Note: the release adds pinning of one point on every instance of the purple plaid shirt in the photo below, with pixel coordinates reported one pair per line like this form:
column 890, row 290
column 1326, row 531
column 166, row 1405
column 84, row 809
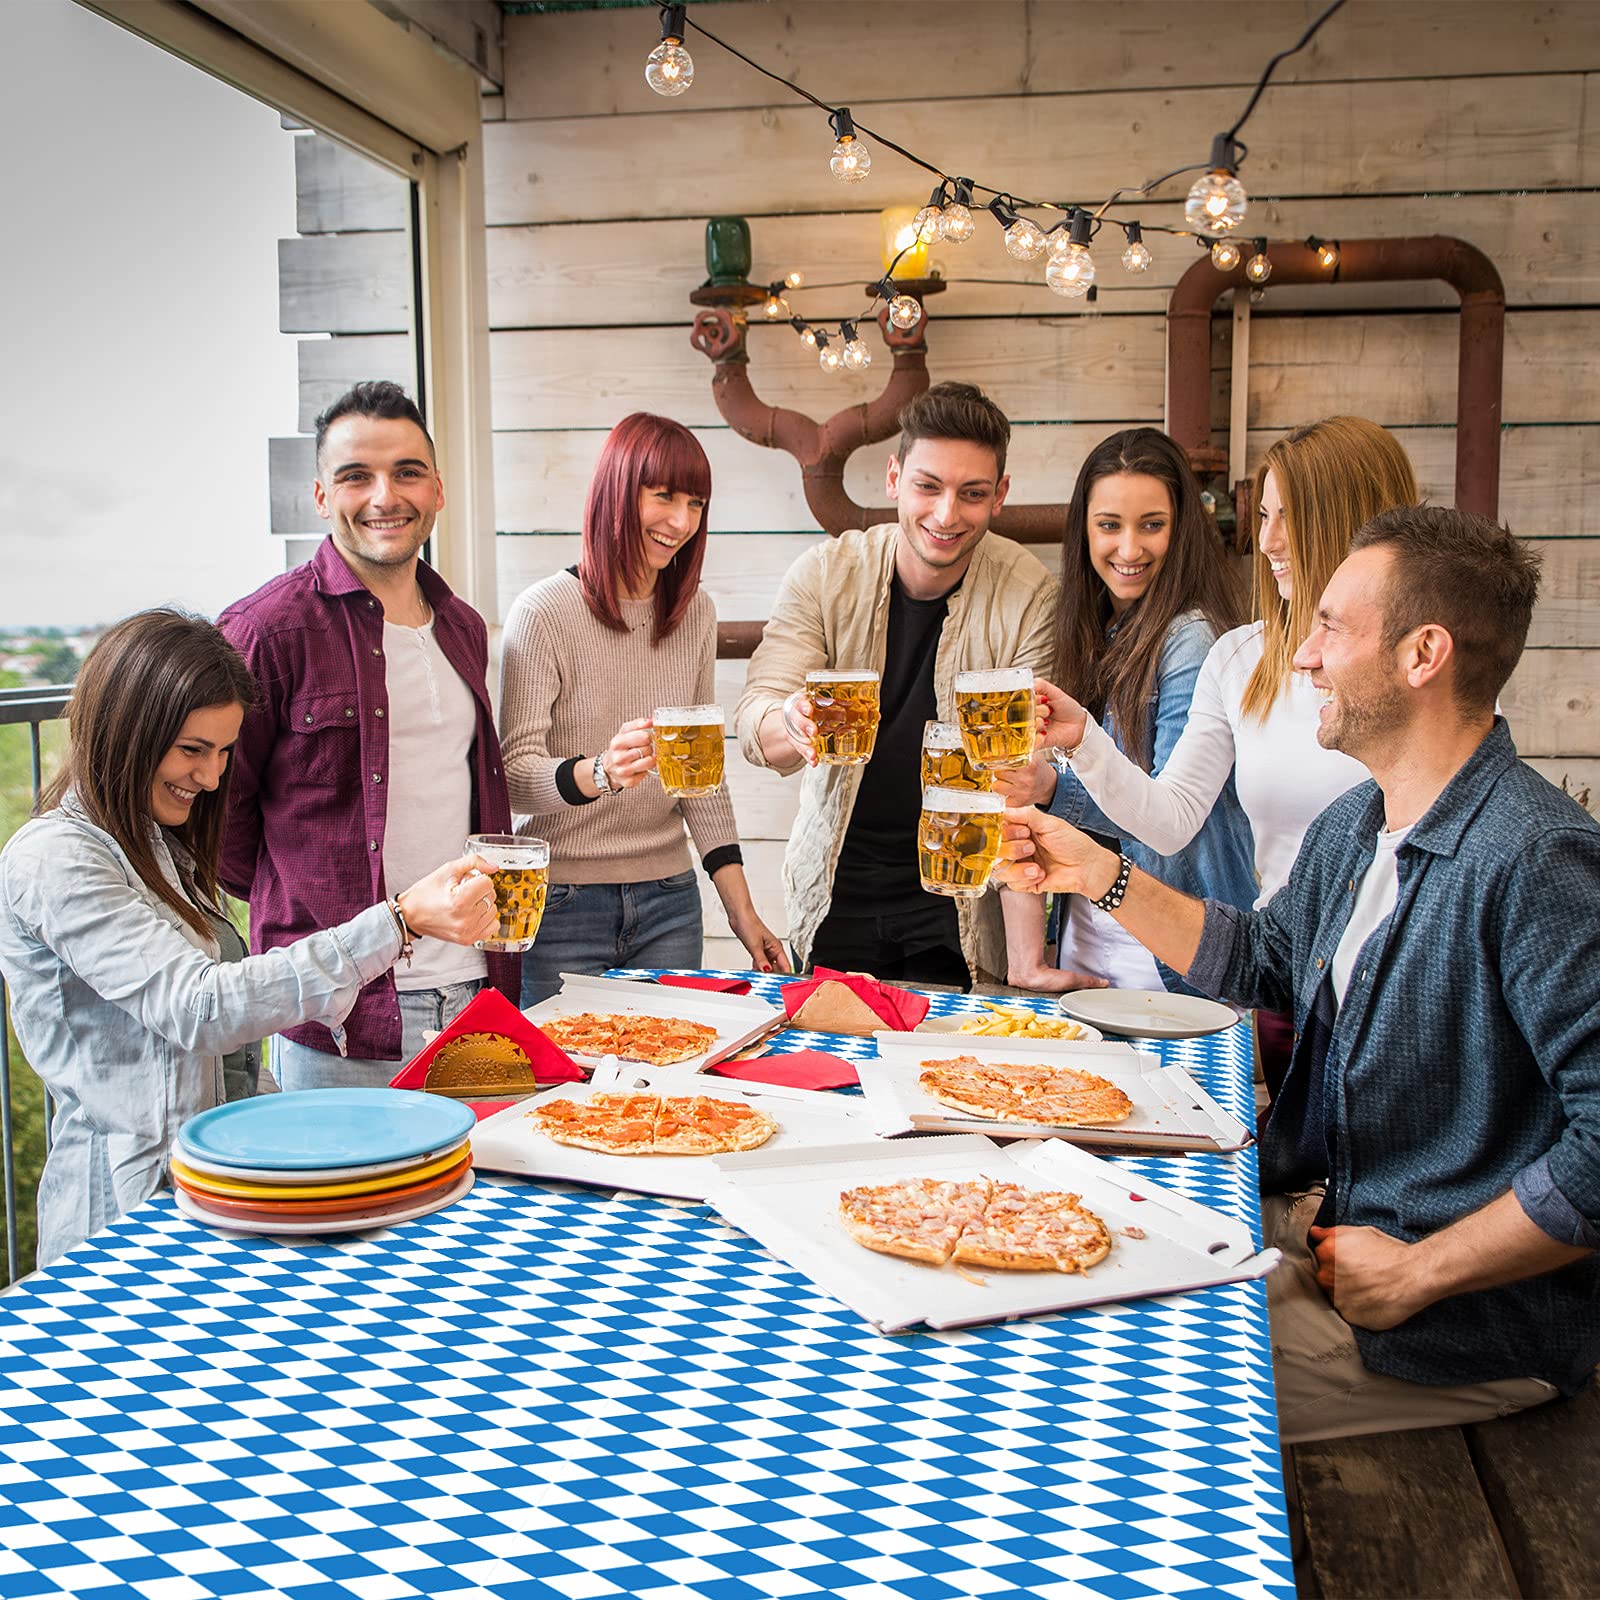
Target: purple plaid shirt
column 308, row 800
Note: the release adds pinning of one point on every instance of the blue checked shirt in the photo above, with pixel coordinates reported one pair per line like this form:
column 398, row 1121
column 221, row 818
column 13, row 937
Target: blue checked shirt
column 1465, row 1060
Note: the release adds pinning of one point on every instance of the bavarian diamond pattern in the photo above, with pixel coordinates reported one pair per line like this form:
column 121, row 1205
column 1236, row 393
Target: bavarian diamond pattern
column 542, row 1392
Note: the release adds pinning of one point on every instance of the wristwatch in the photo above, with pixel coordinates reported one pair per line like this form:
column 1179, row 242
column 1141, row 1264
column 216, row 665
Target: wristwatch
column 602, row 778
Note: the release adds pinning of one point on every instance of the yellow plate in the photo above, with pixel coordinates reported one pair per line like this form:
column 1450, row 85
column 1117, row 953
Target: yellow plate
column 318, row 1191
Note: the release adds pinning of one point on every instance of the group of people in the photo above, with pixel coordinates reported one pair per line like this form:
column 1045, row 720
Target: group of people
column 1316, row 814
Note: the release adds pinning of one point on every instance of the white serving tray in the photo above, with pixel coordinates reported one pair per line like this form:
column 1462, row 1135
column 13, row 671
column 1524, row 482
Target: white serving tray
column 1171, row 1111
column 806, row 1118
column 789, row 1203
column 738, row 1018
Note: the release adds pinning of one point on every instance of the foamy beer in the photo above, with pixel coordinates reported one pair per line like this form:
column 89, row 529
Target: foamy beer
column 958, row 840
column 995, row 714
column 688, row 742
column 521, row 878
column 844, row 706
column 944, row 759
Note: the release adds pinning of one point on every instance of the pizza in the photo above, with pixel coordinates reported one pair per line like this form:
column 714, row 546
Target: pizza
column 1011, row 1091
column 976, row 1222
column 654, row 1125
column 656, row 1041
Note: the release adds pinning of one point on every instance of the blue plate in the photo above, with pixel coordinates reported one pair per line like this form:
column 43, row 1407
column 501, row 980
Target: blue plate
column 326, row 1128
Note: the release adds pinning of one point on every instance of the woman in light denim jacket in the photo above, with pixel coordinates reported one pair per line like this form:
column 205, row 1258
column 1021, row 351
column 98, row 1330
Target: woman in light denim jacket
column 1146, row 590
column 112, row 935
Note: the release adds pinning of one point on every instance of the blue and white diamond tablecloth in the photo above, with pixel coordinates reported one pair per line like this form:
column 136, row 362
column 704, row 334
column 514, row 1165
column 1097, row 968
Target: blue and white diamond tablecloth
column 553, row 1393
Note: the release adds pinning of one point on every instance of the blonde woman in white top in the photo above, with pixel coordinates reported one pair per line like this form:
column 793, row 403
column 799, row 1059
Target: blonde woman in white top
column 1252, row 714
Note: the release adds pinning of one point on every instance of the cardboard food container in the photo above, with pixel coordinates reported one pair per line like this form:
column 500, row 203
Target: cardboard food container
column 788, row 1201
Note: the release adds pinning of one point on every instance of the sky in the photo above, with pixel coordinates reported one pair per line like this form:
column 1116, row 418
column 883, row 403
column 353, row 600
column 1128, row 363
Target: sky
column 142, row 371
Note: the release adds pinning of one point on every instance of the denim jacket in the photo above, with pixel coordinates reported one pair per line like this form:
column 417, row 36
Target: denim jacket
column 126, row 1012
column 1219, row 862
column 1465, row 1059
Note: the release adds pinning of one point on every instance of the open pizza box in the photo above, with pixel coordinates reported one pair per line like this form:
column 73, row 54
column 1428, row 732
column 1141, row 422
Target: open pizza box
column 807, row 1119
column 1171, row 1112
column 739, row 1019
column 1161, row 1243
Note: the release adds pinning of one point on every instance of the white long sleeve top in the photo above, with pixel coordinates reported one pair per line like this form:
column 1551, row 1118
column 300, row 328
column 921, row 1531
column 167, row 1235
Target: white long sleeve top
column 1283, row 777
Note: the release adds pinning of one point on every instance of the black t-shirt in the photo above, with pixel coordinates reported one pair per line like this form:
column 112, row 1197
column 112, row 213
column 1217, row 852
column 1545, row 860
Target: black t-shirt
column 878, row 860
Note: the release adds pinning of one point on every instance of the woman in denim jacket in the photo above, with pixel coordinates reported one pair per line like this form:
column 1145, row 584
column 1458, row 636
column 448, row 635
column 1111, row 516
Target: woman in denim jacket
column 1146, row 590
column 112, row 935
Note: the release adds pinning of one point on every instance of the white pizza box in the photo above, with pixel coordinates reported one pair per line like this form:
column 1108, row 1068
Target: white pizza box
column 739, row 1019
column 789, row 1203
column 1171, row 1112
column 806, row 1118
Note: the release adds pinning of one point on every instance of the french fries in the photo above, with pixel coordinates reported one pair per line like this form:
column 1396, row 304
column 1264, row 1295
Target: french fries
column 1014, row 1022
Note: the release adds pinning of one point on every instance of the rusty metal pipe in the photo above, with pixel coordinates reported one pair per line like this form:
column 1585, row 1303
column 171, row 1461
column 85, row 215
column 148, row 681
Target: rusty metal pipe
column 1483, row 312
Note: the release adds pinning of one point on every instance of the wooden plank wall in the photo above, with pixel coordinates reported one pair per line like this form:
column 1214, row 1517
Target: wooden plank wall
column 1405, row 117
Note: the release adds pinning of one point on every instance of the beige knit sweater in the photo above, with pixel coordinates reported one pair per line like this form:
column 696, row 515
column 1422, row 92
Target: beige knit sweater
column 567, row 683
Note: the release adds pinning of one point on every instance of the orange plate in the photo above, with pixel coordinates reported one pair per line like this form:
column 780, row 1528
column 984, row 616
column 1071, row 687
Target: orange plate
column 265, row 1210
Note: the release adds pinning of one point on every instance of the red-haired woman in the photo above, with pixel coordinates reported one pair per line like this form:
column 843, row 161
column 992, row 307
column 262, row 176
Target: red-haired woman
column 588, row 655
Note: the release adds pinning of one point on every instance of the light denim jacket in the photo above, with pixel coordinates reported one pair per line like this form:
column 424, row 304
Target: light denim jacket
column 1219, row 862
column 126, row 1012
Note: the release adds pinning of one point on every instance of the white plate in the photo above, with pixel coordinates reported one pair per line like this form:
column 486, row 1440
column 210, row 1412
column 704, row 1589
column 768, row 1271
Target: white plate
column 790, row 1205
column 509, row 1142
column 738, row 1018
column 348, row 1222
column 1148, row 1013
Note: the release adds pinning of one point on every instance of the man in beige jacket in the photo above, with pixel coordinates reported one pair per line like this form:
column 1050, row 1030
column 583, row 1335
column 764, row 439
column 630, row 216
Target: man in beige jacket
column 918, row 601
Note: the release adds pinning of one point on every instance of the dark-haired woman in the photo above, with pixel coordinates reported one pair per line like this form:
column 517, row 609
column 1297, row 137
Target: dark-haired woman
column 589, row 654
column 1145, row 592
column 112, row 935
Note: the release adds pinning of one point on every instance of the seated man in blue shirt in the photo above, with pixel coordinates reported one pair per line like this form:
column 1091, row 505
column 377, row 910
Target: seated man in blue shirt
column 1431, row 1167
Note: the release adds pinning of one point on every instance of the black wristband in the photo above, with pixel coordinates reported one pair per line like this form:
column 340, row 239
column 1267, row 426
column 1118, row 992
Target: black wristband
column 567, row 783
column 1112, row 898
column 724, row 855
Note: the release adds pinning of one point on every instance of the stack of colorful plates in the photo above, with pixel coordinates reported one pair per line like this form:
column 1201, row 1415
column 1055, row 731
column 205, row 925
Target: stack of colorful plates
column 323, row 1160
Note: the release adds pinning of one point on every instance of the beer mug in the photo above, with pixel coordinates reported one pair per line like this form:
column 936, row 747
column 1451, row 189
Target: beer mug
column 995, row 713
column 688, row 742
column 521, row 878
column 944, row 759
column 958, row 840
column 844, row 706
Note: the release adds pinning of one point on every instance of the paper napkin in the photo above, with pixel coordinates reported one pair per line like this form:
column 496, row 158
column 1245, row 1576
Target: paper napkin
column 801, row 1069
column 720, row 985
column 851, row 1002
column 491, row 1012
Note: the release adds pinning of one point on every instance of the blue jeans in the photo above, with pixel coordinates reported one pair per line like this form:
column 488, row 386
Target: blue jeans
column 298, row 1066
column 589, row 927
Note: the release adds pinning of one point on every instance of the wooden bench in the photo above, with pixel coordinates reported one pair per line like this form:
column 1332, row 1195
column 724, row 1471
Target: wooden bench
column 1503, row 1508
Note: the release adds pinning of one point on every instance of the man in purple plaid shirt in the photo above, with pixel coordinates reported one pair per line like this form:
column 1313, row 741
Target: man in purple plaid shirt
column 373, row 681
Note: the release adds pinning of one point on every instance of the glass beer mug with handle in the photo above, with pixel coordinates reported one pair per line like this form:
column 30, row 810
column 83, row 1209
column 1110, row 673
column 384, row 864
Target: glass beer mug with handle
column 689, row 742
column 521, row 880
column 958, row 840
column 944, row 759
column 995, row 712
column 844, row 707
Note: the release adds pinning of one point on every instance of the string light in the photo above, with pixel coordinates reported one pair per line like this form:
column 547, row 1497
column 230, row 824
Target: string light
column 1137, row 257
column 1217, row 201
column 775, row 307
column 1225, row 255
column 1071, row 268
column 794, row 280
column 926, row 221
column 1024, row 238
column 851, row 160
column 669, row 68
column 856, row 355
column 829, row 356
column 1258, row 268
column 955, row 224
column 905, row 311
column 808, row 334
column 1327, row 251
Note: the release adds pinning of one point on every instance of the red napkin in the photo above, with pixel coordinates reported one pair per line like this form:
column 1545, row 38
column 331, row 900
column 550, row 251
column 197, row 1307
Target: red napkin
column 899, row 1008
column 802, row 1069
column 491, row 1012
column 721, row 985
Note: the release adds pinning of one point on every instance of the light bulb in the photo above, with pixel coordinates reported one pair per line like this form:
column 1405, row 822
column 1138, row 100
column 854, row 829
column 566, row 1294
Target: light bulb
column 1225, row 255
column 1058, row 241
column 851, row 161
column 1258, row 268
column 775, row 308
column 1328, row 254
column 1136, row 258
column 794, row 280
column 669, row 68
column 831, row 358
column 856, row 355
column 905, row 311
column 956, row 225
column 1071, row 272
column 1216, row 204
column 808, row 336
column 926, row 222
column 1025, row 239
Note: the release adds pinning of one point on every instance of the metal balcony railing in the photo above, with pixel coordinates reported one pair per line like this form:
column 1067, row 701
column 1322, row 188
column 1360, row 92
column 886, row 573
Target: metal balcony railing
column 34, row 707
